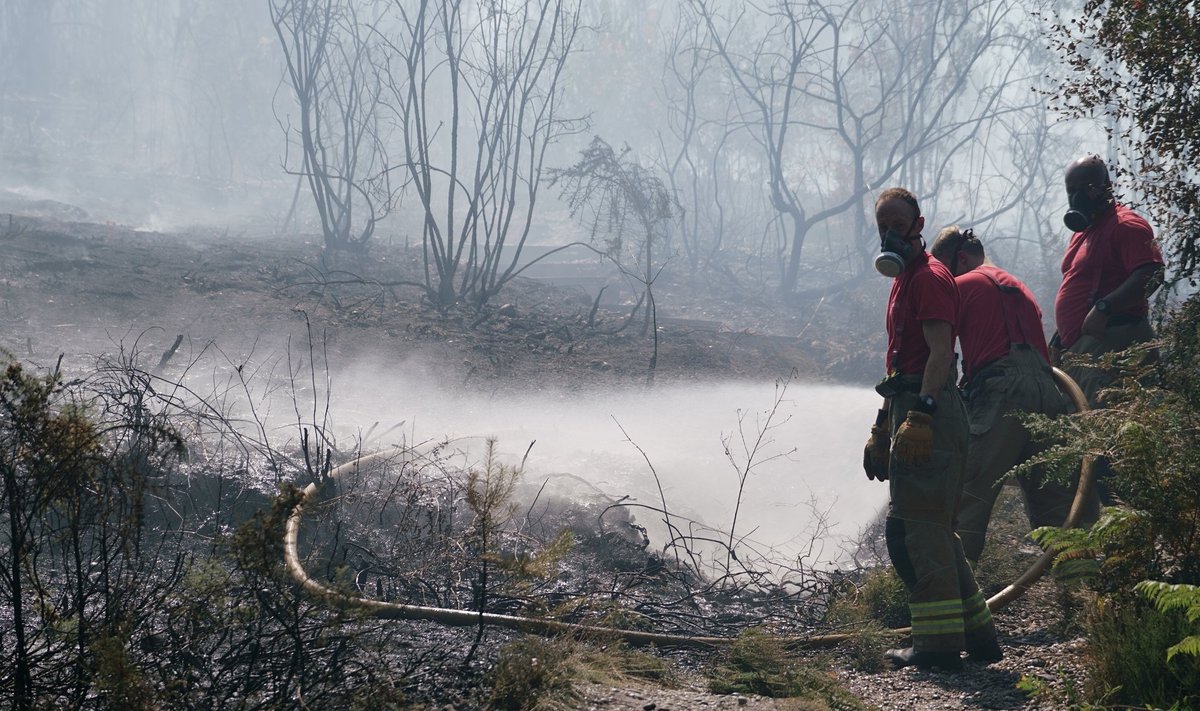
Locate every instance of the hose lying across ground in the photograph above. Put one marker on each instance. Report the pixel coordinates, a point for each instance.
(462, 618)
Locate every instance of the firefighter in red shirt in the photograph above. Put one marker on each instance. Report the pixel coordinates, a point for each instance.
(919, 445)
(1111, 267)
(1006, 372)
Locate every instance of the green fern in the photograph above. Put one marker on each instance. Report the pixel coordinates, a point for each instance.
(1107, 534)
(1167, 597)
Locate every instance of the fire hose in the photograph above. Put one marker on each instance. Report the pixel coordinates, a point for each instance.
(398, 611)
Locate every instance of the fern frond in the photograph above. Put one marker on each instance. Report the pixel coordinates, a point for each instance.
(1188, 645)
(1166, 597)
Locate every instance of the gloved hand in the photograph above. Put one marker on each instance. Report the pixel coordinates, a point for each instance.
(878, 449)
(914, 439)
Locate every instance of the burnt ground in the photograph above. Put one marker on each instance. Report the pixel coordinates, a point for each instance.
(77, 289)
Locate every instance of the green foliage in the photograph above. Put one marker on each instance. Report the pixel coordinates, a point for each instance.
(614, 662)
(1168, 597)
(869, 608)
(118, 677)
(1149, 548)
(77, 461)
(881, 599)
(1149, 432)
(1034, 687)
(125, 589)
(489, 492)
(759, 663)
(1113, 533)
(532, 673)
(489, 495)
(257, 544)
(1126, 645)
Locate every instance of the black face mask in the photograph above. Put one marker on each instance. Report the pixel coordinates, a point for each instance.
(894, 252)
(1079, 217)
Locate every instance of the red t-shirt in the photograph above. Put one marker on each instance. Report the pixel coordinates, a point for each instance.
(991, 317)
(1098, 260)
(924, 291)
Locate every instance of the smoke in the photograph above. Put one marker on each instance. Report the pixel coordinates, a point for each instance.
(806, 474)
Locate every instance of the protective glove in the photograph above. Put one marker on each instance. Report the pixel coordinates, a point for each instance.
(913, 445)
(876, 453)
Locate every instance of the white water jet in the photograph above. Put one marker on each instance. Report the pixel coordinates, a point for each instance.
(808, 467)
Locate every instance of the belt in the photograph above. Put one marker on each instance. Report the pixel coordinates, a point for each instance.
(896, 384)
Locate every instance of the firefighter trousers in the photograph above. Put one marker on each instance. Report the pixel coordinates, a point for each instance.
(997, 396)
(1093, 380)
(948, 611)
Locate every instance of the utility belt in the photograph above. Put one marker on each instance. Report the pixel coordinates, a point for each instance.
(897, 384)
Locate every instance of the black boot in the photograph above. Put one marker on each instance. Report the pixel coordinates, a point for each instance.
(985, 653)
(908, 657)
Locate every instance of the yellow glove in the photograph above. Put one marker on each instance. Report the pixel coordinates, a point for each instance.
(875, 454)
(914, 439)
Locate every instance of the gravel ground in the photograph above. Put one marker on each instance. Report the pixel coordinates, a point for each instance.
(1033, 645)
(597, 697)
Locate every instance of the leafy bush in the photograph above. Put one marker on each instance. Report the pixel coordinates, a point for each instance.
(1150, 433)
(77, 462)
(869, 608)
(1127, 643)
(123, 585)
(1176, 597)
(880, 598)
(532, 673)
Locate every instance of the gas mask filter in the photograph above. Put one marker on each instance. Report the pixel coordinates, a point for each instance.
(1077, 218)
(894, 252)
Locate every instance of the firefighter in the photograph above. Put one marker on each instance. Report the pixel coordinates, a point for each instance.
(1111, 266)
(919, 446)
(1006, 372)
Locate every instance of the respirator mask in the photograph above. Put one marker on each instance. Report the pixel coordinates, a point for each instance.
(894, 252)
(1078, 218)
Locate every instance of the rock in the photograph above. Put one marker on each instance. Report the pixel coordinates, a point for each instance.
(507, 311)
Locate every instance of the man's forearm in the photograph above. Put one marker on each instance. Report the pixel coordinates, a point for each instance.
(939, 336)
(1136, 288)
(937, 373)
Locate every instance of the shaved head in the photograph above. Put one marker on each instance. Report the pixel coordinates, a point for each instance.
(1088, 170)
